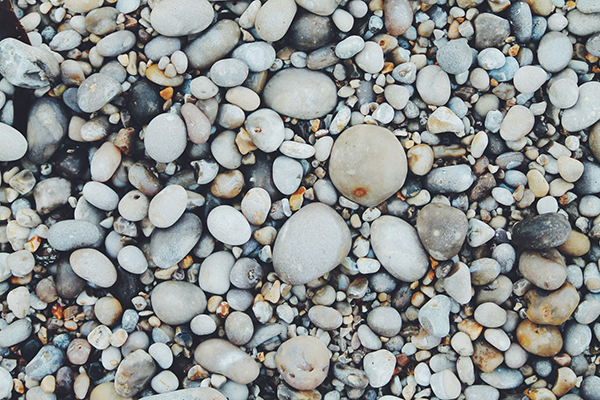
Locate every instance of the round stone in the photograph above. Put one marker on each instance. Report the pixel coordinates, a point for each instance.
(97, 91)
(455, 57)
(442, 230)
(14, 145)
(229, 72)
(517, 123)
(541, 340)
(228, 225)
(398, 248)
(167, 206)
(181, 17)
(311, 243)
(266, 129)
(554, 52)
(295, 354)
(239, 328)
(300, 93)
(177, 302)
(256, 205)
(385, 321)
(165, 138)
(433, 85)
(360, 176)
(541, 232)
(94, 267)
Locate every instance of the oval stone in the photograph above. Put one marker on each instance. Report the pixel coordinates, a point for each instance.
(14, 145)
(228, 225)
(72, 234)
(541, 340)
(177, 302)
(165, 138)
(367, 164)
(222, 357)
(311, 243)
(551, 308)
(442, 230)
(397, 246)
(167, 206)
(300, 93)
(94, 267)
(541, 232)
(293, 357)
(181, 17)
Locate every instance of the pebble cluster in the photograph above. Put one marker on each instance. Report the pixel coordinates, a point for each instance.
(301, 200)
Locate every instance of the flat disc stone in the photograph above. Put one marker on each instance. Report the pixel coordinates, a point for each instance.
(311, 243)
(367, 164)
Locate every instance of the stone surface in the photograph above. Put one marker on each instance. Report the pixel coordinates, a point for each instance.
(378, 177)
(551, 308)
(97, 91)
(14, 144)
(94, 267)
(170, 245)
(26, 66)
(177, 302)
(397, 246)
(300, 93)
(134, 373)
(166, 138)
(442, 230)
(541, 232)
(220, 356)
(310, 244)
(541, 340)
(303, 362)
(181, 17)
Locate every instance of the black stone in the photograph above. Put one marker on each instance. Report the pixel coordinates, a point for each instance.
(541, 232)
(143, 101)
(126, 288)
(64, 380)
(310, 31)
(30, 348)
(68, 283)
(71, 162)
(521, 21)
(589, 183)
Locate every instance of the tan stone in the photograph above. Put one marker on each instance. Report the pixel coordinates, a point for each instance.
(545, 269)
(565, 381)
(485, 356)
(576, 245)
(541, 340)
(551, 308)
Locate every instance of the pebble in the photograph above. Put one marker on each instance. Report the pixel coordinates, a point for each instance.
(274, 18)
(398, 16)
(452, 179)
(259, 56)
(15, 145)
(541, 340)
(221, 357)
(517, 123)
(585, 112)
(170, 245)
(134, 373)
(167, 147)
(491, 58)
(379, 367)
(167, 206)
(541, 232)
(455, 57)
(96, 92)
(228, 225)
(266, 129)
(94, 267)
(490, 315)
(72, 234)
(433, 316)
(551, 308)
(47, 361)
(554, 52)
(378, 178)
(239, 328)
(433, 85)
(444, 119)
(295, 353)
(229, 72)
(177, 302)
(546, 269)
(398, 248)
(214, 272)
(300, 93)
(442, 230)
(181, 17)
(457, 283)
(445, 384)
(164, 382)
(301, 255)
(116, 43)
(26, 66)
(46, 127)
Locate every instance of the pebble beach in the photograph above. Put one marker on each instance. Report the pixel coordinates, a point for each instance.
(300, 200)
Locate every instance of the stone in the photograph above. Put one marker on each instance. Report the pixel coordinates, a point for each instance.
(433, 85)
(169, 246)
(371, 58)
(586, 111)
(274, 18)
(445, 384)
(455, 57)
(303, 362)
(221, 357)
(266, 129)
(100, 196)
(258, 55)
(320, 7)
(300, 93)
(563, 93)
(444, 119)
(352, 377)
(94, 267)
(311, 243)
(134, 373)
(105, 162)
(214, 272)
(551, 308)
(554, 51)
(14, 144)
(97, 91)
(181, 17)
(213, 45)
(176, 302)
(377, 178)
(541, 340)
(398, 16)
(545, 269)
(47, 126)
(27, 66)
(577, 338)
(541, 232)
(78, 351)
(457, 283)
(503, 378)
(196, 393)
(101, 21)
(517, 123)
(229, 72)
(379, 367)
(433, 316)
(72, 234)
(167, 206)
(116, 43)
(165, 138)
(310, 31)
(452, 179)
(397, 246)
(529, 78)
(47, 361)
(490, 30)
(228, 225)
(143, 101)
(491, 58)
(490, 315)
(16, 332)
(442, 230)
(385, 321)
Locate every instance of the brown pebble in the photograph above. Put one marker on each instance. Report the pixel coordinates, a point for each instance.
(551, 308)
(541, 340)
